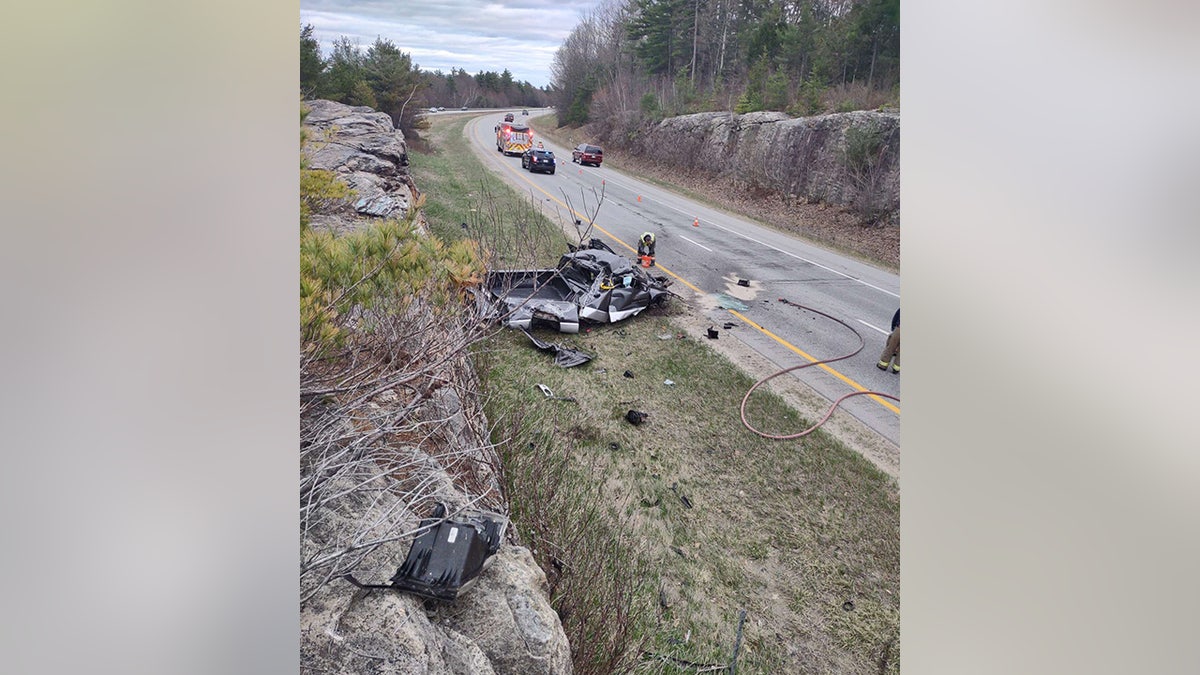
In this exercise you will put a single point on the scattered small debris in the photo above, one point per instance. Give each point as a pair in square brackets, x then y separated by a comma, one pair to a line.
[713, 333]
[848, 605]
[665, 336]
[635, 417]
[744, 282]
[647, 503]
[629, 374]
[687, 503]
[679, 551]
[614, 446]
[550, 394]
[669, 383]
[729, 325]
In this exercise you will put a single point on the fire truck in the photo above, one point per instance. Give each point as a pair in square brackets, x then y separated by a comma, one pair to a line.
[513, 138]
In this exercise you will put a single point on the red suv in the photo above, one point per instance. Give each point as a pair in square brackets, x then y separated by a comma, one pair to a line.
[587, 154]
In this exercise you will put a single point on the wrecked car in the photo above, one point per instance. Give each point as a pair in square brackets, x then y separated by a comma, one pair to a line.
[590, 284]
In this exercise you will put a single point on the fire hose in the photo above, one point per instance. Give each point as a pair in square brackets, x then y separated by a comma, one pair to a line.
[787, 437]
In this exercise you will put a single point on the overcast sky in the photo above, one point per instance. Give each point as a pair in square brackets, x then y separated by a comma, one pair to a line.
[521, 35]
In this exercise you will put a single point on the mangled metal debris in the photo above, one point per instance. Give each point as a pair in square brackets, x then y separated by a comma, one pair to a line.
[564, 357]
[590, 284]
[447, 558]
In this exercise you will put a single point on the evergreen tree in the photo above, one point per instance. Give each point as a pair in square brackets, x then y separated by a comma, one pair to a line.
[311, 65]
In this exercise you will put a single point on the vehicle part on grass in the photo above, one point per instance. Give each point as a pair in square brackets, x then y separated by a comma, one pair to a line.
[787, 437]
[687, 503]
[564, 357]
[629, 374]
[448, 556]
[550, 394]
[590, 284]
[635, 417]
[713, 333]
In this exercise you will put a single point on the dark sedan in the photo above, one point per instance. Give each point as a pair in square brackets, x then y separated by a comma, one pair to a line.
[536, 159]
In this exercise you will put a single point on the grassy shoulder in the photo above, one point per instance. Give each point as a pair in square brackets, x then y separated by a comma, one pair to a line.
[656, 537]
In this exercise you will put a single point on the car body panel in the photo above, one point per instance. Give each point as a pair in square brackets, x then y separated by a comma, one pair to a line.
[592, 284]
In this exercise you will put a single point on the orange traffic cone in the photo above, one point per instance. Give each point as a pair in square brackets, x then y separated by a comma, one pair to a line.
[696, 222]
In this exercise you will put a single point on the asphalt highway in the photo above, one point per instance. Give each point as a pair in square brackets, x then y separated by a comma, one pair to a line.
[708, 251]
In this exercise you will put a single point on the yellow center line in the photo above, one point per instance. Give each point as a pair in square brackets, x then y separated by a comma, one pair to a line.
[824, 366]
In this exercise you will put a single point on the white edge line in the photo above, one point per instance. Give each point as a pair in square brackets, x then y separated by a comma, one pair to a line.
[873, 327]
[700, 245]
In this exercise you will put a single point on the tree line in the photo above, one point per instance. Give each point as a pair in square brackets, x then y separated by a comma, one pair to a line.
[386, 79]
[658, 58]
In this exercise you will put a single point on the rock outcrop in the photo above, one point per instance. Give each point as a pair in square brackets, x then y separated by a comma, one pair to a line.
[503, 624]
[803, 158]
[366, 151]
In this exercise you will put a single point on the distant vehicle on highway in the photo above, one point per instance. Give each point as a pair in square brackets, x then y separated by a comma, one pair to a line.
[463, 108]
[536, 159]
[508, 117]
[586, 153]
[524, 112]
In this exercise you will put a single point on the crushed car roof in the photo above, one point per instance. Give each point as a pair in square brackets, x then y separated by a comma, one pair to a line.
[590, 284]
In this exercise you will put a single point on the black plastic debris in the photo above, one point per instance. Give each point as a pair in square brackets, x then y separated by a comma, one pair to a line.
[687, 503]
[744, 282]
[564, 357]
[446, 559]
[629, 374]
[729, 325]
[635, 417]
[713, 333]
[848, 605]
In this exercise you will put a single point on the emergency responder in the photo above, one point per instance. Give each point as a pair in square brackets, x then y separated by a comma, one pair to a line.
[891, 351]
[646, 245]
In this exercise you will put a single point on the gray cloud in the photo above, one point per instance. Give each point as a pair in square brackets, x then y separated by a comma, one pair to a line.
[521, 36]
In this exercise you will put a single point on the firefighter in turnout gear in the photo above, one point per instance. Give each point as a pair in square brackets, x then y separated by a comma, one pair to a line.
[646, 249]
